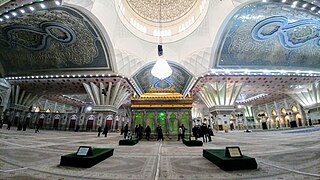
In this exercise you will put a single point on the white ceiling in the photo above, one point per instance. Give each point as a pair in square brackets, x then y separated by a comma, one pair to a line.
[131, 52]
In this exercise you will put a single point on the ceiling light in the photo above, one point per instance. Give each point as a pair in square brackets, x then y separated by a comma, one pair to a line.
[42, 6]
[313, 8]
[304, 5]
[6, 16]
[31, 8]
[22, 11]
[1, 19]
[283, 1]
[57, 3]
[14, 13]
[294, 4]
[161, 69]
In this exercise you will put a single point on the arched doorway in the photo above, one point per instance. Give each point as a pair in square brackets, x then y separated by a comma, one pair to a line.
[297, 115]
[56, 120]
[41, 120]
[278, 122]
[299, 119]
[90, 122]
[73, 120]
[150, 121]
[108, 121]
[285, 118]
[287, 121]
[232, 119]
[173, 123]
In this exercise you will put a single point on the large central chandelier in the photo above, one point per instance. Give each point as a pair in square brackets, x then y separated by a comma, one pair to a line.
[161, 69]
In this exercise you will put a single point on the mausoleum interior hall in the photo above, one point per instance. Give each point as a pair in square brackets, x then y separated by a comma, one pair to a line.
[248, 69]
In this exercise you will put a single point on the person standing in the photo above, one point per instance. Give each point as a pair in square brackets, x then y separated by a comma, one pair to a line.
[148, 132]
[210, 133]
[183, 131]
[126, 129]
[105, 131]
[99, 131]
[140, 132]
[160, 134]
[136, 130]
[180, 133]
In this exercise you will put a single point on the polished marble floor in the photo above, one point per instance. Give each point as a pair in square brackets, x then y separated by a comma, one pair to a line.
[286, 154]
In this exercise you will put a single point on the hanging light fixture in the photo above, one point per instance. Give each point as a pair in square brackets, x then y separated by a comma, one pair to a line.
[161, 69]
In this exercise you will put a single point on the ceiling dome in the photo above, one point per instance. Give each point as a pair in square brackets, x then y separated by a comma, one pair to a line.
[167, 11]
[171, 20]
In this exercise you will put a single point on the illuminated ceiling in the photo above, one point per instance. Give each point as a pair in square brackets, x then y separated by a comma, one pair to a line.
[161, 10]
[223, 38]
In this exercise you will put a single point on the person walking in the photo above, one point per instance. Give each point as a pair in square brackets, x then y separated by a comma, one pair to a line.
[105, 131]
[9, 125]
[99, 131]
[148, 132]
[37, 128]
[204, 131]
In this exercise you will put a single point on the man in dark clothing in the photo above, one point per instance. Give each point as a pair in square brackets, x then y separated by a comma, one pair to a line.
[105, 131]
[136, 130]
[37, 128]
[121, 131]
[77, 128]
[99, 131]
[140, 132]
[183, 131]
[19, 127]
[24, 127]
[204, 130]
[195, 132]
[9, 125]
[148, 132]
[126, 129]
[160, 134]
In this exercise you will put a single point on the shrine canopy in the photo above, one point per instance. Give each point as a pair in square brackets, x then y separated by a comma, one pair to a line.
[161, 98]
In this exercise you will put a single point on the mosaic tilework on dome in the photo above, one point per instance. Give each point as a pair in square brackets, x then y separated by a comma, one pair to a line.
[56, 39]
[270, 34]
[180, 78]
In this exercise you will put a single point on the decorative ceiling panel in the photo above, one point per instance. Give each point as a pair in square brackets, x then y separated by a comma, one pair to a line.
[276, 87]
[57, 39]
[161, 10]
[271, 34]
[180, 78]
